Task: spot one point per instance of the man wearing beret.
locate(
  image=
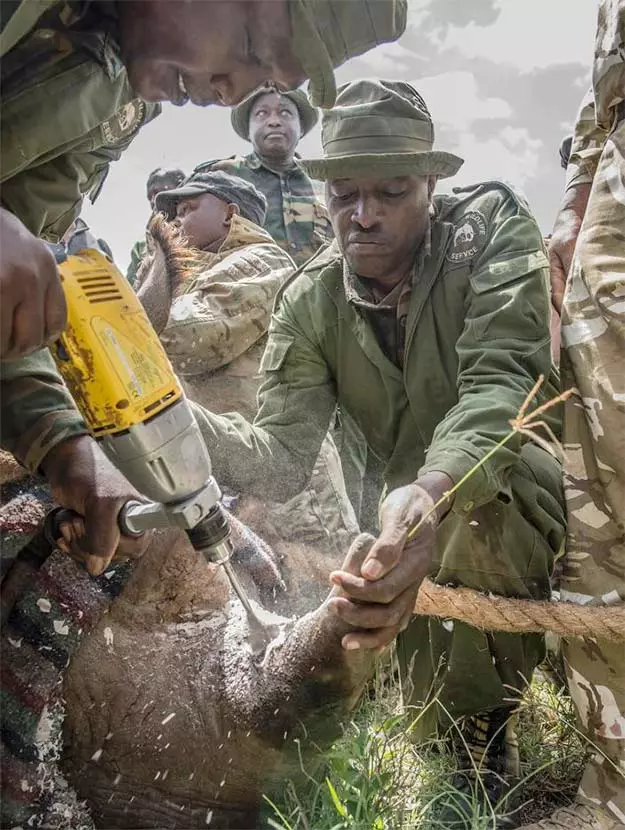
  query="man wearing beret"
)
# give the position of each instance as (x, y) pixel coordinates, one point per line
(79, 79)
(274, 123)
(209, 293)
(427, 321)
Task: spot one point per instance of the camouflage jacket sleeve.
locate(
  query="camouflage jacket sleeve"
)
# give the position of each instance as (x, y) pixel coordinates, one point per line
(37, 410)
(274, 457)
(503, 348)
(225, 310)
(139, 250)
(588, 141)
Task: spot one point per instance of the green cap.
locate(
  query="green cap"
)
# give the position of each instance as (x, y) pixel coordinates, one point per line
(240, 116)
(230, 189)
(379, 128)
(326, 33)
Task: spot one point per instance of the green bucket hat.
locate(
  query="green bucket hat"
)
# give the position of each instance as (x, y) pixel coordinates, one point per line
(326, 33)
(240, 116)
(379, 127)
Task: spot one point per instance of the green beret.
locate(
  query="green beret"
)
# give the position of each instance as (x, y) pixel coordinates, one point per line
(231, 189)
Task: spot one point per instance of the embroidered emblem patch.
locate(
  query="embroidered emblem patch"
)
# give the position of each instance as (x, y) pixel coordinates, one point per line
(468, 237)
(125, 121)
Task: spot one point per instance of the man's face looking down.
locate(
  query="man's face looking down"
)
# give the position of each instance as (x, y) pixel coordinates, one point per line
(206, 51)
(380, 223)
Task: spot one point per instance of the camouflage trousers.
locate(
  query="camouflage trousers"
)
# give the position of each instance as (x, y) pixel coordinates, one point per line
(593, 360)
(504, 547)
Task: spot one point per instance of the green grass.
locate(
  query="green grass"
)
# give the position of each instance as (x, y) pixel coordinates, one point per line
(375, 778)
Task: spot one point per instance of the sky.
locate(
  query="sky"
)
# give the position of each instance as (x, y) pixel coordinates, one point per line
(503, 80)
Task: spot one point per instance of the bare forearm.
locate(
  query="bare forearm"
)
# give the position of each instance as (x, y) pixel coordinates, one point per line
(574, 202)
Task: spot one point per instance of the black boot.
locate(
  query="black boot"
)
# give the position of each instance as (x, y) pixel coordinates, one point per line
(488, 767)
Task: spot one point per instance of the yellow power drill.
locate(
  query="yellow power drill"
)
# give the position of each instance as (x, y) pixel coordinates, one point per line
(125, 388)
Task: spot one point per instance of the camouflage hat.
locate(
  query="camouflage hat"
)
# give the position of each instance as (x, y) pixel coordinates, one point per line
(231, 189)
(326, 33)
(379, 127)
(240, 116)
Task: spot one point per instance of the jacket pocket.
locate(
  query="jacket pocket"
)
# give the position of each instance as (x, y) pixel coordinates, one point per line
(503, 271)
(276, 352)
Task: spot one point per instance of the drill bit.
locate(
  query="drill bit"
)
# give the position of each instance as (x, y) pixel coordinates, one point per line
(261, 634)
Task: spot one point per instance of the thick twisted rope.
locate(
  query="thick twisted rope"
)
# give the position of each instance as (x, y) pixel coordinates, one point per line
(493, 613)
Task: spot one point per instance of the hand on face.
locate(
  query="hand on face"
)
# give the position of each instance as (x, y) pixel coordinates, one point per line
(84, 480)
(32, 303)
(380, 600)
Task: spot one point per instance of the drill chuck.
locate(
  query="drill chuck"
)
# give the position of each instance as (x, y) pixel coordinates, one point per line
(211, 536)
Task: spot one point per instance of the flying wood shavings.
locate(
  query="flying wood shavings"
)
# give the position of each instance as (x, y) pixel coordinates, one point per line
(60, 627)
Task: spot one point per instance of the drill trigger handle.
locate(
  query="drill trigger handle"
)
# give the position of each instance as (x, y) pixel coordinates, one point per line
(58, 515)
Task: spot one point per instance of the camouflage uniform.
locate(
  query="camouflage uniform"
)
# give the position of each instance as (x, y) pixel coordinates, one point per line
(137, 255)
(54, 152)
(296, 218)
(472, 352)
(593, 360)
(215, 337)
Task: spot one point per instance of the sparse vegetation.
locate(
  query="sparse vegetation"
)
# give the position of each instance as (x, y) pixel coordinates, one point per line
(375, 778)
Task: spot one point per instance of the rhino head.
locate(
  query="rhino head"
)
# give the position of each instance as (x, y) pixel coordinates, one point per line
(172, 720)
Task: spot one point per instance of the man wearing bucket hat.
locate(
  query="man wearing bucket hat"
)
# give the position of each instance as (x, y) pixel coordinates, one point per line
(209, 294)
(428, 322)
(274, 123)
(79, 79)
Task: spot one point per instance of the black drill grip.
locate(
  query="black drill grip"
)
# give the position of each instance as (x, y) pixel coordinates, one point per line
(58, 515)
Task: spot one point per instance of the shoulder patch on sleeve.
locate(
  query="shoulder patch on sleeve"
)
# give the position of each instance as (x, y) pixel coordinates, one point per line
(469, 236)
(124, 122)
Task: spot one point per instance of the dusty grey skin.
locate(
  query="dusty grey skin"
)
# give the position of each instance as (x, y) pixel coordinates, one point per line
(171, 721)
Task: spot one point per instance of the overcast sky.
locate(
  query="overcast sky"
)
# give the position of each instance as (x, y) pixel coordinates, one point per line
(502, 78)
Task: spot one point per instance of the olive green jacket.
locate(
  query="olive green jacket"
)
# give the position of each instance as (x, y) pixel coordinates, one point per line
(477, 340)
(67, 112)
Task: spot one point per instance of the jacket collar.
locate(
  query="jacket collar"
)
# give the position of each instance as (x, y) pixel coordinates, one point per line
(242, 234)
(255, 163)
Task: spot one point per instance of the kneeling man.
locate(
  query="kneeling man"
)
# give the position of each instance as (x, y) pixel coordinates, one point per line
(428, 322)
